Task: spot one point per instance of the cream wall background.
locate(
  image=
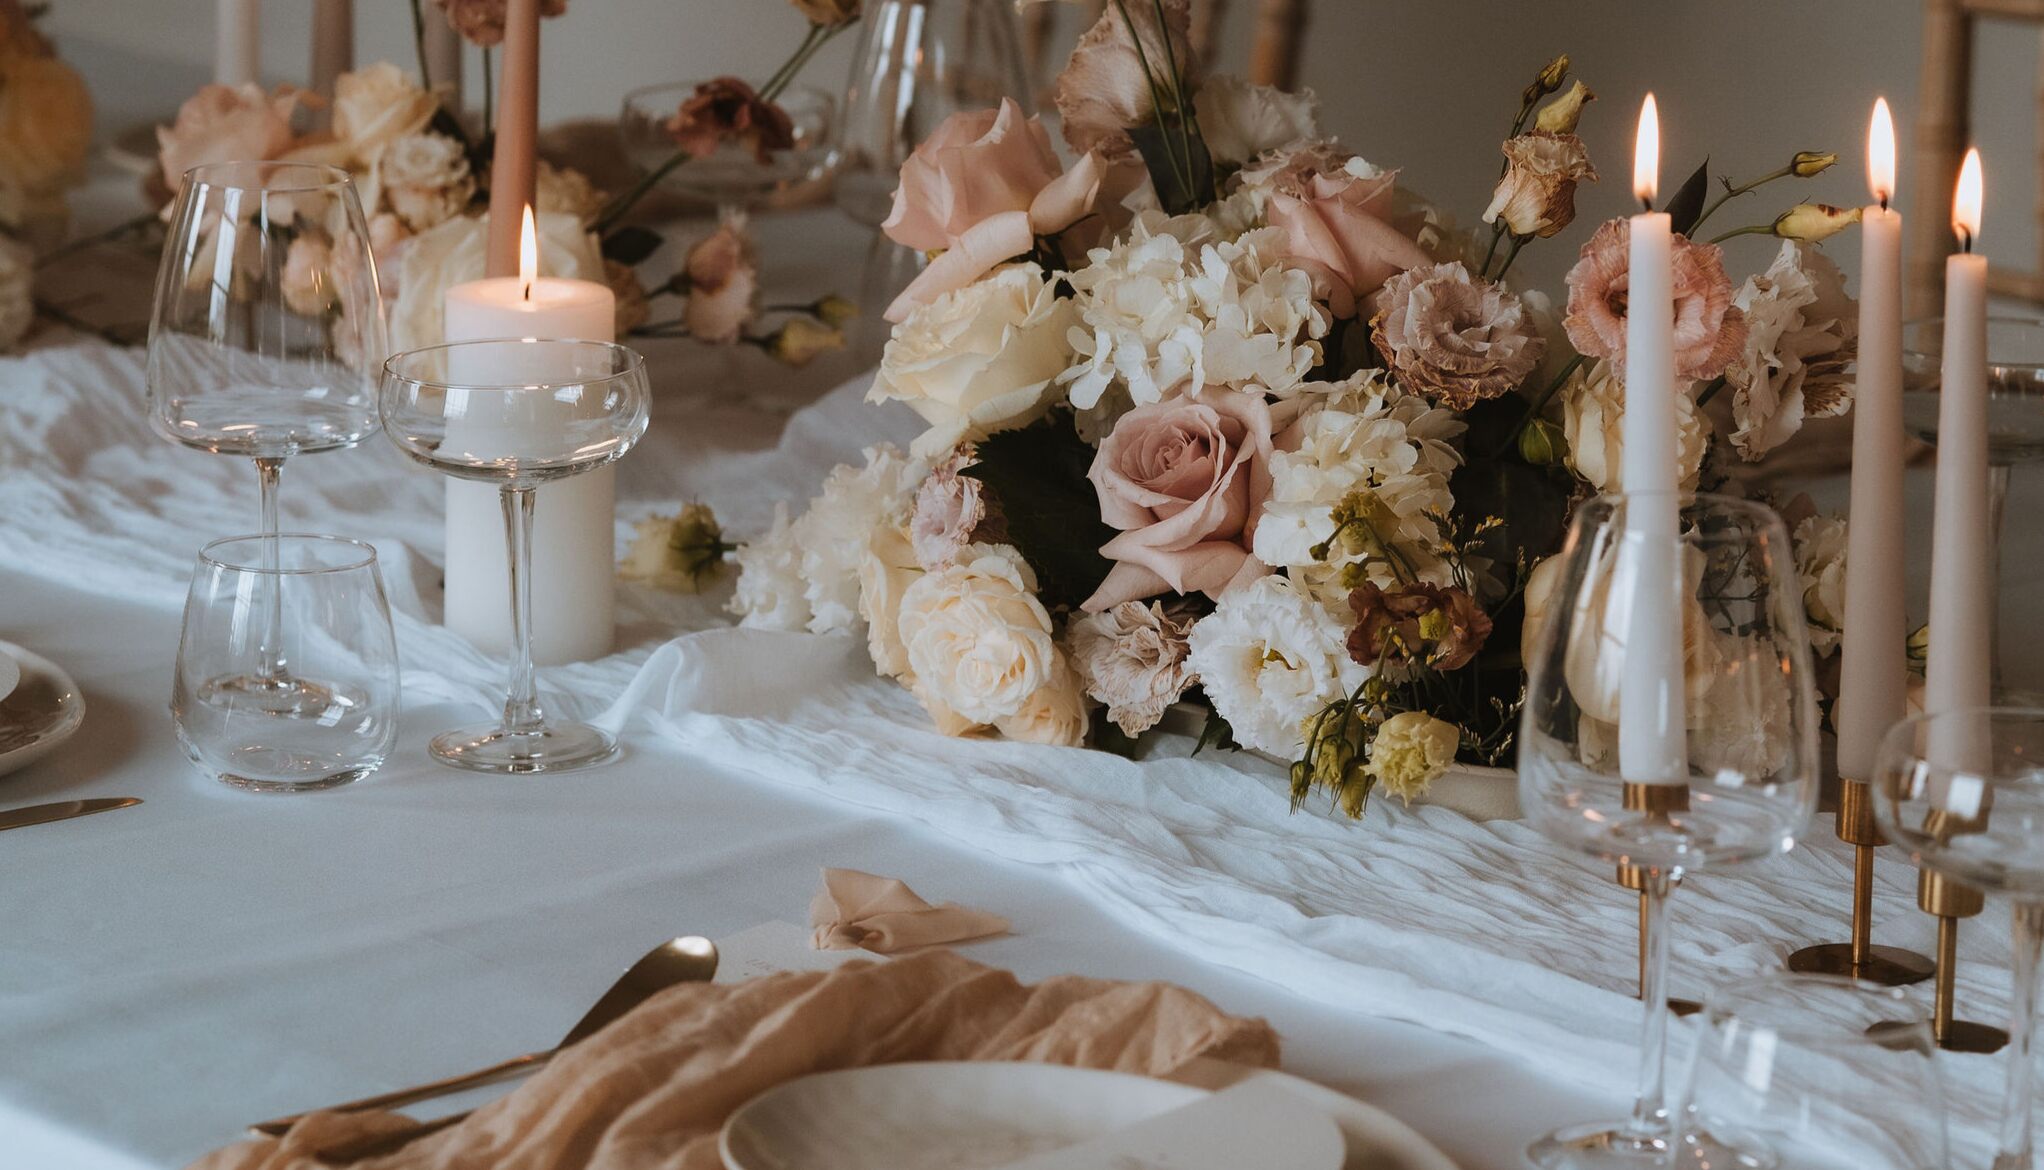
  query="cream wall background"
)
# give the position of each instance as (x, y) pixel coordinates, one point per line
(1428, 85)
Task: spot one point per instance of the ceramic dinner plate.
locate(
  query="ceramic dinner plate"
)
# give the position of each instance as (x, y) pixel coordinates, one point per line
(983, 1115)
(42, 710)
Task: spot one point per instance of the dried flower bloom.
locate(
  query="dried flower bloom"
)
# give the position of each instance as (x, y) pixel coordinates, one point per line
(1801, 341)
(1811, 222)
(1819, 544)
(1416, 624)
(802, 340)
(677, 553)
(1103, 89)
(45, 130)
(481, 22)
(1708, 329)
(726, 109)
(723, 281)
(1551, 76)
(566, 190)
(1132, 657)
(1561, 115)
(828, 13)
(1537, 196)
(1453, 338)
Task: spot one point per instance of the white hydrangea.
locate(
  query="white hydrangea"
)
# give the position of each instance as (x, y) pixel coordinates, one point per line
(1360, 434)
(1182, 300)
(818, 556)
(1270, 657)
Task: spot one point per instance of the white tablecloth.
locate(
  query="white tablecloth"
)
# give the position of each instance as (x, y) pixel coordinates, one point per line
(211, 958)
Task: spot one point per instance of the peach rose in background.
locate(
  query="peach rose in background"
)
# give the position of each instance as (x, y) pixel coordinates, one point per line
(225, 123)
(982, 188)
(1185, 480)
(1335, 228)
(1709, 330)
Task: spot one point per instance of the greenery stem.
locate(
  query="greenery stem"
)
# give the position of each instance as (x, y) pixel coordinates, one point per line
(1183, 172)
(1518, 242)
(489, 93)
(80, 244)
(1732, 191)
(1716, 384)
(1539, 403)
(623, 203)
(419, 43)
(1497, 232)
(1758, 229)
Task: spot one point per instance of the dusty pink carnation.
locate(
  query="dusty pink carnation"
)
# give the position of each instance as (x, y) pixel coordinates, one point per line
(1132, 658)
(1453, 338)
(1709, 331)
(952, 513)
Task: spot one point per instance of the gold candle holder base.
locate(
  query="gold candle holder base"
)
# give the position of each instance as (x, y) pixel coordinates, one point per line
(1656, 800)
(1860, 958)
(1950, 901)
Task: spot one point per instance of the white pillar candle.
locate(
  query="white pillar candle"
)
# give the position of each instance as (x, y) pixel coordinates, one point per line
(333, 43)
(573, 521)
(1652, 730)
(1872, 669)
(237, 42)
(1961, 590)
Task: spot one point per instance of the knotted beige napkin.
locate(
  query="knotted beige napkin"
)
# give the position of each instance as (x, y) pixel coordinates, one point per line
(653, 1089)
(857, 910)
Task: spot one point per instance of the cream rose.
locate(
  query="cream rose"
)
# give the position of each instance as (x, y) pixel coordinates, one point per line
(425, 179)
(886, 571)
(1593, 418)
(454, 252)
(376, 106)
(1410, 751)
(976, 638)
(979, 360)
(1055, 714)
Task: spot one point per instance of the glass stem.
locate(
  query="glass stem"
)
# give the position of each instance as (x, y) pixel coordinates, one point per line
(270, 654)
(1650, 1107)
(2016, 1105)
(521, 710)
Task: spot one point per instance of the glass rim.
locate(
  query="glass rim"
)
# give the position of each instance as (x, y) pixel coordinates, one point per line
(1754, 988)
(2032, 320)
(331, 176)
(366, 559)
(2013, 712)
(1684, 501)
(630, 363)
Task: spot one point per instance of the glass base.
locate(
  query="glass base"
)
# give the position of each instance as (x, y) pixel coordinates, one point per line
(315, 784)
(1704, 1151)
(1597, 1146)
(282, 695)
(551, 747)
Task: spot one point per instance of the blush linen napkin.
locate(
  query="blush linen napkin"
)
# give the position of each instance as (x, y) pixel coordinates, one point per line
(653, 1089)
(856, 910)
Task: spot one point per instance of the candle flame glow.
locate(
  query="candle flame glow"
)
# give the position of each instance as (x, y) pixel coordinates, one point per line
(1646, 153)
(1967, 198)
(528, 253)
(1881, 153)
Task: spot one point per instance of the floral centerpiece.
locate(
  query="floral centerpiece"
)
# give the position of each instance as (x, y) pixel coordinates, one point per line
(1223, 413)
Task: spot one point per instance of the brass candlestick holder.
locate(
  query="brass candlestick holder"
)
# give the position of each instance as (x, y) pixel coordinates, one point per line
(1951, 901)
(1860, 958)
(1656, 800)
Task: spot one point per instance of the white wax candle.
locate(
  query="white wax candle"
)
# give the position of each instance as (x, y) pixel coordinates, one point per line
(573, 521)
(237, 42)
(1872, 673)
(333, 43)
(1652, 729)
(1961, 589)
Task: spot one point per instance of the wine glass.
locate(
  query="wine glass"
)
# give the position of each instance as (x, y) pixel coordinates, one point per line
(317, 599)
(1963, 792)
(517, 414)
(1813, 1070)
(265, 340)
(1668, 738)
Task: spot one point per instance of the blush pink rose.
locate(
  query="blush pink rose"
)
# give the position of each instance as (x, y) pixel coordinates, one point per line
(1335, 229)
(981, 189)
(1185, 480)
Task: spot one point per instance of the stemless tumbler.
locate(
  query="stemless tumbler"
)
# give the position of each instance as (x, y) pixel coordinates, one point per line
(318, 598)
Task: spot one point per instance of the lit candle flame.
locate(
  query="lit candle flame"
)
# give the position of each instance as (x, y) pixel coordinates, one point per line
(1881, 154)
(528, 253)
(1646, 154)
(1966, 200)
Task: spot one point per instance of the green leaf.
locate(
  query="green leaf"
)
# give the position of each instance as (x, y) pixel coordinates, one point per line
(631, 244)
(1160, 147)
(1037, 475)
(1217, 733)
(1687, 204)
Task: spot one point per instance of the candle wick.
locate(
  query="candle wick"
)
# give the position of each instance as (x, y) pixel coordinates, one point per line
(1884, 201)
(528, 290)
(1646, 203)
(1966, 239)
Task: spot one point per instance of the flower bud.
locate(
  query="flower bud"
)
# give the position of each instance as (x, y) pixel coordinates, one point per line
(1918, 647)
(1553, 74)
(836, 311)
(1810, 163)
(1541, 443)
(1561, 115)
(800, 341)
(1811, 222)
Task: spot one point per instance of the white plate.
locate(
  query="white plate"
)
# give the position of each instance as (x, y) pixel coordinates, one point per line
(41, 712)
(984, 1114)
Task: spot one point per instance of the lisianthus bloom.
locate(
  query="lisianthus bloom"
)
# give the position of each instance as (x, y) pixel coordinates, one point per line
(1185, 481)
(1410, 751)
(981, 189)
(1270, 657)
(1132, 657)
(1336, 229)
(953, 512)
(1537, 196)
(1104, 89)
(481, 22)
(1801, 339)
(723, 282)
(1453, 338)
(726, 109)
(1708, 329)
(1422, 624)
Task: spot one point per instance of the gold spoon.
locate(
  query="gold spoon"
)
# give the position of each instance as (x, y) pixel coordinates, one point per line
(682, 960)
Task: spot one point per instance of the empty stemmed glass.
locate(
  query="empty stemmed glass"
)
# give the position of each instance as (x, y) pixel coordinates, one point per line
(264, 343)
(1708, 762)
(517, 414)
(1963, 792)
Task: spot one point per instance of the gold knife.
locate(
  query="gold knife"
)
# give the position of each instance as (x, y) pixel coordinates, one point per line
(36, 814)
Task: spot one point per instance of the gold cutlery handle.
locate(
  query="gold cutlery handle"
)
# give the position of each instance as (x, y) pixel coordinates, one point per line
(277, 1127)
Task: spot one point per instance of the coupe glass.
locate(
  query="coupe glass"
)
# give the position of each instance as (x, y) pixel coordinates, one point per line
(1812, 1070)
(517, 414)
(265, 339)
(318, 600)
(1745, 783)
(731, 177)
(1963, 792)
